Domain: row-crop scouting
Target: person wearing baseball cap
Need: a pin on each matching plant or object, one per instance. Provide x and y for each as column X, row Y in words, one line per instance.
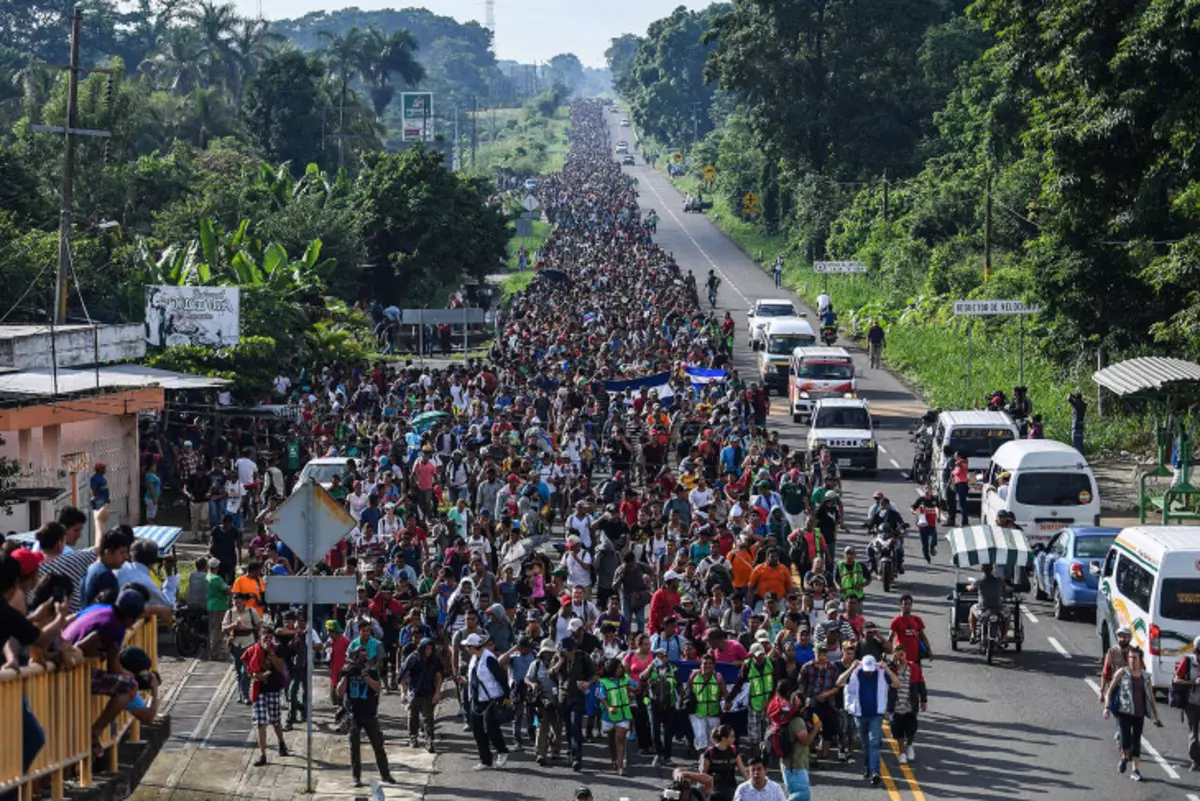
column 487, row 690
column 867, row 702
column 664, row 602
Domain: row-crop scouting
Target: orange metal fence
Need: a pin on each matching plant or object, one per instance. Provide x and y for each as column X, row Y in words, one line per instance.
column 63, row 704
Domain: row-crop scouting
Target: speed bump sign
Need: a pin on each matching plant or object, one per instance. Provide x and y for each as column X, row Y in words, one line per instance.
column 750, row 204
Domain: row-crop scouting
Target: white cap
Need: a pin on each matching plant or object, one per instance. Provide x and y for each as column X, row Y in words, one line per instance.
column 762, row 635
column 473, row 641
column 670, row 575
column 869, row 664
column 575, row 625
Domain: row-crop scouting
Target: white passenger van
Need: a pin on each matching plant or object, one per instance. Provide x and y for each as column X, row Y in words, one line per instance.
column 1150, row 582
column 781, row 337
column 818, row 373
column 976, row 435
column 1051, row 486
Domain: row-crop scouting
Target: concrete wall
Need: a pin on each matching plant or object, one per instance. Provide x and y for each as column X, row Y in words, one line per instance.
column 29, row 347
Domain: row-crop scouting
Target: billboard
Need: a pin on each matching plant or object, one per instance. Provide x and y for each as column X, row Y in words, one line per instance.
column 416, row 111
column 192, row 315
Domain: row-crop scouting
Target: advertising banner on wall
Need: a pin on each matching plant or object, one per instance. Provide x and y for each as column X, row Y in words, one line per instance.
column 192, row 315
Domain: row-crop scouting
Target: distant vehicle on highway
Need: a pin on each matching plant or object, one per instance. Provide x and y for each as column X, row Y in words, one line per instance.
column 1063, row 570
column 531, row 184
column 322, row 471
column 624, row 122
column 763, row 312
column 844, row 426
column 622, row 147
column 629, row 160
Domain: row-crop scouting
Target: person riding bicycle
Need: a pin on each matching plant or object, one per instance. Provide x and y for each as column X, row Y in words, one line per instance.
column 991, row 589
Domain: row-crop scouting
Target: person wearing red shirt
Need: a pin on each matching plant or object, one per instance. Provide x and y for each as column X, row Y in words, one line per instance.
column 338, row 645
column 629, row 508
column 854, row 617
column 908, row 632
column 664, row 602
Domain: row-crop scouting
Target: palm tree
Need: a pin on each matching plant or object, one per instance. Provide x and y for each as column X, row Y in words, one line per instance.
column 251, row 41
column 216, row 25
column 205, row 115
column 176, row 63
column 385, row 56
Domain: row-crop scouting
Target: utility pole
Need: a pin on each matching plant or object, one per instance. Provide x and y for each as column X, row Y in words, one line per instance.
column 474, row 127
column 987, row 231
column 67, row 192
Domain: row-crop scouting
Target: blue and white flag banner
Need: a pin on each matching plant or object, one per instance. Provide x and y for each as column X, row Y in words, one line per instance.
column 659, row 382
column 700, row 376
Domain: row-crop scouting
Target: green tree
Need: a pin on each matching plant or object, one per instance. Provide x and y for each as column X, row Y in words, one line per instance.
column 424, row 226
column 285, row 107
column 619, row 55
column 567, row 69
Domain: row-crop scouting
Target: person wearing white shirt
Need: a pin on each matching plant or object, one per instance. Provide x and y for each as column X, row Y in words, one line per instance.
column 578, row 563
column 246, row 469
column 758, row 787
column 700, row 497
column 358, row 501
column 580, row 523
column 487, row 688
column 283, row 385
column 823, row 303
column 234, row 492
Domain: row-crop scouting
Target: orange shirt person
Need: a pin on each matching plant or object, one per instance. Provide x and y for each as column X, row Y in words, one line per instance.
column 771, row 577
column 251, row 585
column 741, row 560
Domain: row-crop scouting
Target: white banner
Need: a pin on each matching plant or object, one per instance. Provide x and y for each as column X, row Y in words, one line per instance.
column 989, row 308
column 192, row 315
column 839, row 267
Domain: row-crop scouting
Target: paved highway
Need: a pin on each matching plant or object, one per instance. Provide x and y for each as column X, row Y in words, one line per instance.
column 1028, row 726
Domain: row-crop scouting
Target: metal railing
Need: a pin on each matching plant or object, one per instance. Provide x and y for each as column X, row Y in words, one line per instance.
column 63, row 704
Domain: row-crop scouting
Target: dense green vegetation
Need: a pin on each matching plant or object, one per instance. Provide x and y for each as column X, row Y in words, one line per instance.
column 876, row 130
column 234, row 159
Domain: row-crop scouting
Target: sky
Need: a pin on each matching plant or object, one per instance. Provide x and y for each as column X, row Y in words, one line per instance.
column 526, row 30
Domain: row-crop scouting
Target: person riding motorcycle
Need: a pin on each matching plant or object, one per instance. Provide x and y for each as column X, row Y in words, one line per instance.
column 829, row 321
column 824, row 303
column 991, row 589
column 882, row 513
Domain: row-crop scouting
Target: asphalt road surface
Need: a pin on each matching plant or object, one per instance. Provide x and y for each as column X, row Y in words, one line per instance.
column 1027, row 727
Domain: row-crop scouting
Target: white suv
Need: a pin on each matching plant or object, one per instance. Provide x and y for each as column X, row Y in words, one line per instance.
column 763, row 312
column 844, row 427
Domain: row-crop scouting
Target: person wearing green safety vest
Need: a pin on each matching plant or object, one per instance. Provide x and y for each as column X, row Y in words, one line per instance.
column 708, row 689
column 758, row 674
column 662, row 700
column 851, row 576
column 618, row 711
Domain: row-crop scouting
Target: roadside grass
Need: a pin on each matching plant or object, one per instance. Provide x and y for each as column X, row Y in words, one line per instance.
column 512, row 284
column 931, row 354
column 541, row 230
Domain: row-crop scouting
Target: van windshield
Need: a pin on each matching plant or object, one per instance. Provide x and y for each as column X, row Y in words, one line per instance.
column 1053, row 489
column 978, row 442
column 784, row 344
column 826, row 371
column 1179, row 598
column 777, row 310
column 322, row 473
column 842, row 417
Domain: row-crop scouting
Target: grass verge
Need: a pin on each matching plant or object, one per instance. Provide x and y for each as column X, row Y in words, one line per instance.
column 541, row 230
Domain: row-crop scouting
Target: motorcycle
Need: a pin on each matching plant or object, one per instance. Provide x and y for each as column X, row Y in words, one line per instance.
column 882, row 555
column 991, row 639
column 190, row 630
column 829, row 335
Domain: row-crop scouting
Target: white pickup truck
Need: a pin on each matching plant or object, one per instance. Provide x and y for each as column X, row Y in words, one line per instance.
column 763, row 312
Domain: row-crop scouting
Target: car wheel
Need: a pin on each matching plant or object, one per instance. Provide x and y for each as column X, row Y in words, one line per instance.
column 797, row 418
column 1060, row 609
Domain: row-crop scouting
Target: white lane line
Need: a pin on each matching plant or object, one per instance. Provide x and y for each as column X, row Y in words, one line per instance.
column 895, row 464
column 1058, row 647
column 1193, row 797
column 1031, row 617
column 703, row 253
column 882, row 449
column 1157, row 757
column 1095, row 687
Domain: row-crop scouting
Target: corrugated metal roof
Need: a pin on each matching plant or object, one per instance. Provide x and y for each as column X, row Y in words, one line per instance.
column 42, row 383
column 1145, row 374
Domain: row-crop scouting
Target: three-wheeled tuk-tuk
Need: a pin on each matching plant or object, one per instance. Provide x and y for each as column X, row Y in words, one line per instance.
column 1007, row 550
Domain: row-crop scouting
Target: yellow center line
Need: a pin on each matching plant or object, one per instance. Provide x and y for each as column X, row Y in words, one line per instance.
column 888, row 782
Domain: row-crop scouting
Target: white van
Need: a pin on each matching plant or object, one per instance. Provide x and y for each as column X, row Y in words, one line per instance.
column 817, row 373
column 1051, row 486
column 1150, row 582
column 976, row 435
column 781, row 337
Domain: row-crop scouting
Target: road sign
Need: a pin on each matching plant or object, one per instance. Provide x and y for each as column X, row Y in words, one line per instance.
column 311, row 522
column 470, row 316
column 677, row 157
column 839, row 267
column 326, row 589
column 525, row 228
column 530, row 203
column 417, row 115
column 991, row 308
column 750, row 204
column 710, row 173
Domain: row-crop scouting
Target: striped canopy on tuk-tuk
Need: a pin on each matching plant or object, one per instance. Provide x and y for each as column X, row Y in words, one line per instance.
column 988, row 545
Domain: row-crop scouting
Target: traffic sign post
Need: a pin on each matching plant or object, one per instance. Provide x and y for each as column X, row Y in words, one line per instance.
column 750, row 204
column 710, row 173
column 824, row 268
column 311, row 523
column 996, row 308
column 530, row 203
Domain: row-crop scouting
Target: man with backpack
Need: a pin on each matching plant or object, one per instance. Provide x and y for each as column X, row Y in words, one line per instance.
column 662, row 690
column 792, row 734
column 1185, row 695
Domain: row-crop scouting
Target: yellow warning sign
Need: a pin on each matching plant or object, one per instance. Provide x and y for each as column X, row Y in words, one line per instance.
column 710, row 173
column 750, row 204
column 678, row 157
